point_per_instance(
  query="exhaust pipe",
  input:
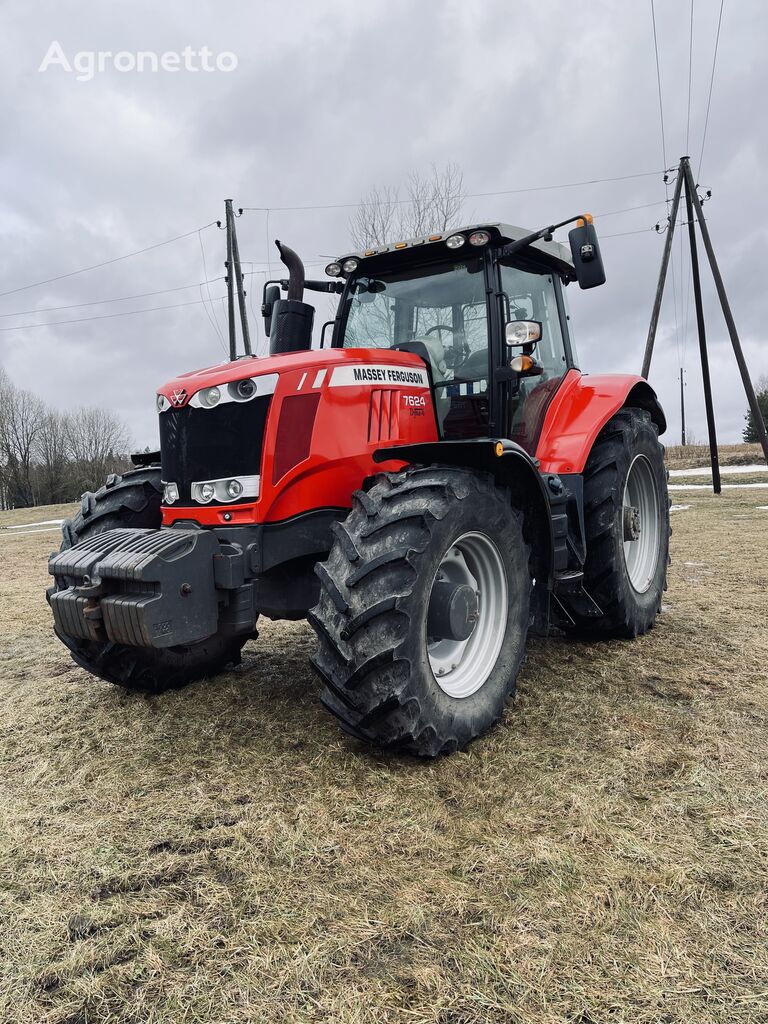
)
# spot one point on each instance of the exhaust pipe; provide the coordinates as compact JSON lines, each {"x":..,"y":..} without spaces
{"x":292,"y":319}
{"x":296,"y":274}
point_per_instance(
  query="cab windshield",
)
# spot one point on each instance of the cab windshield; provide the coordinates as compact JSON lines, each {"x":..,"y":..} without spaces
{"x":440,"y":308}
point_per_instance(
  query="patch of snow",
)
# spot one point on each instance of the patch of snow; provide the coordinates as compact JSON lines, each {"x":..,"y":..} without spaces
{"x":678,"y":508}
{"x":707,"y":487}
{"x":756,"y":467}
{"x":763,"y":508}
{"x":46,"y":529}
{"x":44,"y":522}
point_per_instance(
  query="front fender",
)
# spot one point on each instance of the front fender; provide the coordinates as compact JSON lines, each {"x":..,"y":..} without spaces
{"x":581,"y":407}
{"x":513,"y":467}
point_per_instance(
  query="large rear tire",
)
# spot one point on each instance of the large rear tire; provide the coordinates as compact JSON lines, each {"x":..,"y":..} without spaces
{"x":133,"y":500}
{"x":626,"y":512}
{"x":423,"y":610}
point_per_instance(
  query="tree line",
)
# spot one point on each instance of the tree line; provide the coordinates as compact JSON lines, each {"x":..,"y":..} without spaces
{"x":750,"y":434}
{"x":48,"y":457}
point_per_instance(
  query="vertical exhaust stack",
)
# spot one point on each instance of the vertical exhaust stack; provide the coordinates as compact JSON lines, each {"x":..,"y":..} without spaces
{"x":292,"y":318}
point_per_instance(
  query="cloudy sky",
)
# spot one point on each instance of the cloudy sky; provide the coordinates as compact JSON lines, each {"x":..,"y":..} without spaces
{"x":328,"y":100}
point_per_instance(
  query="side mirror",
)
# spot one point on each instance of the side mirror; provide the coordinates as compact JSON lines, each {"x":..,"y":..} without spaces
{"x":271,"y":296}
{"x":522,"y":332}
{"x":585,"y":251}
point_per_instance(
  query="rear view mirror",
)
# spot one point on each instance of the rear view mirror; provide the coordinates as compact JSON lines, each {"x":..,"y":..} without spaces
{"x":271,"y":296}
{"x":585,"y":251}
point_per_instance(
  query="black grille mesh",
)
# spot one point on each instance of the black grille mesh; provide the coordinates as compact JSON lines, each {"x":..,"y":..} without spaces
{"x":209,"y":444}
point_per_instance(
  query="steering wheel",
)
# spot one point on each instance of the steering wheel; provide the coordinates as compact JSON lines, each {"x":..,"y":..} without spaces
{"x":454,"y":355}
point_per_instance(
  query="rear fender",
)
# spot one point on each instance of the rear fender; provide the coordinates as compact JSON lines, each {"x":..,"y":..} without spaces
{"x":581,"y":407}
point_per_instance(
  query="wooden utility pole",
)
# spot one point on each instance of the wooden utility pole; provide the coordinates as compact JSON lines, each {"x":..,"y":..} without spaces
{"x":693,"y":204}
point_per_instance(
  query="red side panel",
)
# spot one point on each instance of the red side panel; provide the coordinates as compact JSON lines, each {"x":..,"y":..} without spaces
{"x":582,"y":406}
{"x":330,"y":411}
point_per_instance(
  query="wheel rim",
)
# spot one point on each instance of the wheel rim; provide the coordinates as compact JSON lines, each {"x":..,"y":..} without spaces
{"x":640,"y":520}
{"x":461,"y":667}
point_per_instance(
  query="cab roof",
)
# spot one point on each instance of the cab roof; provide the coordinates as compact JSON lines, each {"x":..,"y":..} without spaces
{"x":500,"y":233}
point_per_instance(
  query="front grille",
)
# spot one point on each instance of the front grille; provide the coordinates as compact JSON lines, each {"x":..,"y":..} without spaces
{"x":209,"y":444}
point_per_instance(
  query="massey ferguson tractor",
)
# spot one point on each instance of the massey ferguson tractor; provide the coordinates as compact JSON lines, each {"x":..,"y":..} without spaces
{"x":434,"y":482}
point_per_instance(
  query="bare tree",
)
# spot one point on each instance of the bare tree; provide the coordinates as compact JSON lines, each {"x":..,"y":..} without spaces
{"x":431,"y":204}
{"x":53,"y":459}
{"x":97,"y":443}
{"x":23,"y":413}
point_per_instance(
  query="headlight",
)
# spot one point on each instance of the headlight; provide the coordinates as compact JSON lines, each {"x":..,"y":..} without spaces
{"x":455,"y":241}
{"x":333,"y":270}
{"x":210,"y":397}
{"x":234,"y":488}
{"x":170,"y":494}
{"x":349,"y":266}
{"x":206,"y":492}
{"x":479,"y":238}
{"x":161,"y":403}
{"x":245,"y":389}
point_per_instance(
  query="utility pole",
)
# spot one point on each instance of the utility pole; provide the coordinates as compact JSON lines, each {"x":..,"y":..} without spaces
{"x":235,"y":258}
{"x":729,"y":321}
{"x":230,"y":293}
{"x":235,"y":280}
{"x":693,"y":203}
{"x":710,"y":409}
{"x":682,"y":407}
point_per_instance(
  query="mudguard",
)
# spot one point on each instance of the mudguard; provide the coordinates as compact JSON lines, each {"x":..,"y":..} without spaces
{"x":513,"y":467}
{"x":581,"y":407}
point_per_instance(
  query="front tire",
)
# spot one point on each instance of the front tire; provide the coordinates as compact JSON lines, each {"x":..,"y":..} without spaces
{"x":133,"y":500}
{"x":423,"y":610}
{"x":626,"y":513}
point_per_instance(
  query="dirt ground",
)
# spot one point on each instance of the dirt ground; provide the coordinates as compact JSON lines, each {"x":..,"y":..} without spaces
{"x":224,"y":854}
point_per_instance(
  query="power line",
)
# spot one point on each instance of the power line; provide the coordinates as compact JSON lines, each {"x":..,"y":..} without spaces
{"x":658,"y":81}
{"x":664,"y":158}
{"x":104,"y":302}
{"x":105,"y":263}
{"x":210,"y":313}
{"x":465,"y":195}
{"x":711,"y":83}
{"x":621,"y":234}
{"x":105,"y":316}
{"x":690,"y":68}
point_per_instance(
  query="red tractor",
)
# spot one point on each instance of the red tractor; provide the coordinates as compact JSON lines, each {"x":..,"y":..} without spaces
{"x":431,"y":484}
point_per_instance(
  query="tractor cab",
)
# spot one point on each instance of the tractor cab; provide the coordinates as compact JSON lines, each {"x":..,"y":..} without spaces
{"x":490,"y":324}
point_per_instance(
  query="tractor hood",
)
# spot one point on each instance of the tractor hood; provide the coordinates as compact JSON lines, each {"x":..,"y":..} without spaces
{"x":261,"y":440}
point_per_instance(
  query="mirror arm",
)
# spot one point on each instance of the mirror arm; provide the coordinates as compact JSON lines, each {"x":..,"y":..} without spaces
{"x":545,"y":233}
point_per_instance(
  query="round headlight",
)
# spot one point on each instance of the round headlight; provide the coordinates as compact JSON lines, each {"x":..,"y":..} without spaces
{"x":333,"y":270}
{"x":160,"y":402}
{"x":207,"y":492}
{"x":234,"y":488}
{"x":245,"y":389}
{"x":170,"y":494}
{"x":455,"y":241}
{"x":349,"y":266}
{"x":479,"y":238}
{"x":210,"y":397}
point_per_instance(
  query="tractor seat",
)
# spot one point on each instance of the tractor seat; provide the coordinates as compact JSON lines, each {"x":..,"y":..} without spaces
{"x":432,"y":352}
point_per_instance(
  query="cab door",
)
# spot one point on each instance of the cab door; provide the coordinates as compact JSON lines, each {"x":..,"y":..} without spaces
{"x":532,"y":294}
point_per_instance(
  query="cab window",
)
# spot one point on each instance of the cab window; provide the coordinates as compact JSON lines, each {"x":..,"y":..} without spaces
{"x":531,"y":296}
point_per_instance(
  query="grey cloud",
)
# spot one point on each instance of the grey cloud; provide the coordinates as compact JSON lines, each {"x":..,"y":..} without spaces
{"x":327,"y":101}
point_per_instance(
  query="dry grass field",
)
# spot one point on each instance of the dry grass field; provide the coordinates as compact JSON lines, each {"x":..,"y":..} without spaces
{"x":224,"y":854}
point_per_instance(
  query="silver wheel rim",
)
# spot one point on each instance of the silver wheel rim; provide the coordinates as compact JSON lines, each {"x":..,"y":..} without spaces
{"x":640,"y":519}
{"x":461,"y":667}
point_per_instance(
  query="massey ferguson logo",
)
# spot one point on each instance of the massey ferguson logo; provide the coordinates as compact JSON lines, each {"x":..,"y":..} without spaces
{"x":179,"y":396}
